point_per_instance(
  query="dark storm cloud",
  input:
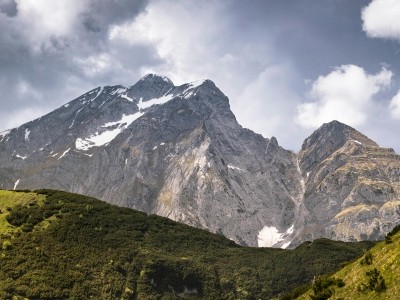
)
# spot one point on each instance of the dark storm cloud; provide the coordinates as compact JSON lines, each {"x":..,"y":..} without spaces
{"x":39,"y":73}
{"x":101,"y":14}
{"x":8,"y":7}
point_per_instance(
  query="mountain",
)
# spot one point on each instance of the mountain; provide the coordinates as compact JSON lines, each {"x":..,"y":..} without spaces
{"x":178,"y":152}
{"x":352,"y":186}
{"x":173,"y":151}
{"x":56,"y":245}
{"x":373,"y":276}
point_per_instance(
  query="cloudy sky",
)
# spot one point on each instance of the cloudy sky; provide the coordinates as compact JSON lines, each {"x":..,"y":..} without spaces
{"x":287,"y":66}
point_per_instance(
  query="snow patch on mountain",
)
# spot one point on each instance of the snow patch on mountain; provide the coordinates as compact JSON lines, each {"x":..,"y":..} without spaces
{"x":118,"y":91}
{"x":65,"y":152}
{"x":126,"y":97}
{"x":290,"y":230}
{"x":3,"y":134}
{"x":105,"y":137}
{"x":268,"y":236}
{"x":234,"y":168}
{"x":100,"y":90}
{"x":73,"y":121}
{"x":27,"y":133}
{"x":156,"y":101}
{"x":190,"y":90}
{"x":196,"y":83}
{"x":16,"y":184}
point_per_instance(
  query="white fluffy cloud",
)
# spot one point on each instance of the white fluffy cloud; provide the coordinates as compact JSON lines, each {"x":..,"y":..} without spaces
{"x":381,"y":19}
{"x":43,"y":19}
{"x":395,"y":106}
{"x":267,"y":104}
{"x":345,"y":95}
{"x":187,"y":38}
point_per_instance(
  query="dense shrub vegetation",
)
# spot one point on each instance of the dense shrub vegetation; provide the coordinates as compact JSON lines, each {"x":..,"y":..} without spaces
{"x":322,"y":287}
{"x":368,"y":259}
{"x":375,"y":282}
{"x":75,"y":247}
{"x":388,"y":237}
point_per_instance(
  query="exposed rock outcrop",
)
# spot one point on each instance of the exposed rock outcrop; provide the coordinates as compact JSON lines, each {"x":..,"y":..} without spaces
{"x":178,"y":151}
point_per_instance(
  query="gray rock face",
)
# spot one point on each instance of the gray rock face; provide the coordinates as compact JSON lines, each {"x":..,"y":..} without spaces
{"x":174,"y":151}
{"x":351,"y":185}
{"x":178,"y":151}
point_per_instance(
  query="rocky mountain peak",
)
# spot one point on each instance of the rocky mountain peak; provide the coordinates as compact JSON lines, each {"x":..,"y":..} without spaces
{"x":326,"y":140}
{"x":151,"y":86}
{"x":178,"y":151}
{"x":154,"y":79}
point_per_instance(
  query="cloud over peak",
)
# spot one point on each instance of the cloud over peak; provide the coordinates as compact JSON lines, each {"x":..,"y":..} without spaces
{"x":345,"y":94}
{"x":381,"y":19}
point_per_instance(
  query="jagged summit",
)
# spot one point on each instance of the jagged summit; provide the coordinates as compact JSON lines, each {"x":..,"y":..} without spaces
{"x":151,"y":86}
{"x":337,"y":133}
{"x":154,"y":78}
{"x":327,"y":139}
{"x":178,"y":151}
{"x":351,"y":184}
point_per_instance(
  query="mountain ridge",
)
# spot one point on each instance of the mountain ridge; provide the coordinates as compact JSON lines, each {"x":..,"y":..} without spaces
{"x":178,"y":151}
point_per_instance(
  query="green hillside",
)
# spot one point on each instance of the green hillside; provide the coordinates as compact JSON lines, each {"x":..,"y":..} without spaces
{"x":57,"y":245}
{"x":376,"y":275}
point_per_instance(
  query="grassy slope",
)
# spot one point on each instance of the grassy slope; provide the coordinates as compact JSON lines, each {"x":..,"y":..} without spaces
{"x":386,"y":259}
{"x":69,"y":246}
{"x":9,"y":200}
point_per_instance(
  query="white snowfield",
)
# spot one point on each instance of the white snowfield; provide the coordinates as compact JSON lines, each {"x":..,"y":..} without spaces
{"x":269,"y":236}
{"x":100,"y":139}
{"x":113,"y":129}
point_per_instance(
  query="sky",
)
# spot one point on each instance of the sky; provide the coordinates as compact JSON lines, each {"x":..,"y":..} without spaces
{"x":287,"y":66}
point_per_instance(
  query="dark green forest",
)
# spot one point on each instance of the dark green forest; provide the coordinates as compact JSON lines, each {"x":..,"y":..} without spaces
{"x":57,"y":245}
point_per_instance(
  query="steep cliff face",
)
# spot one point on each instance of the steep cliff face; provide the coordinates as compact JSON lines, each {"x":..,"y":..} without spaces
{"x":352,"y":185}
{"x":178,"y":151}
{"x":174,"y":151}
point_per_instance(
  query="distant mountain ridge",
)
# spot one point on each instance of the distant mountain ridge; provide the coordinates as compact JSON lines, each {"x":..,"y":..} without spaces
{"x":178,"y":151}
